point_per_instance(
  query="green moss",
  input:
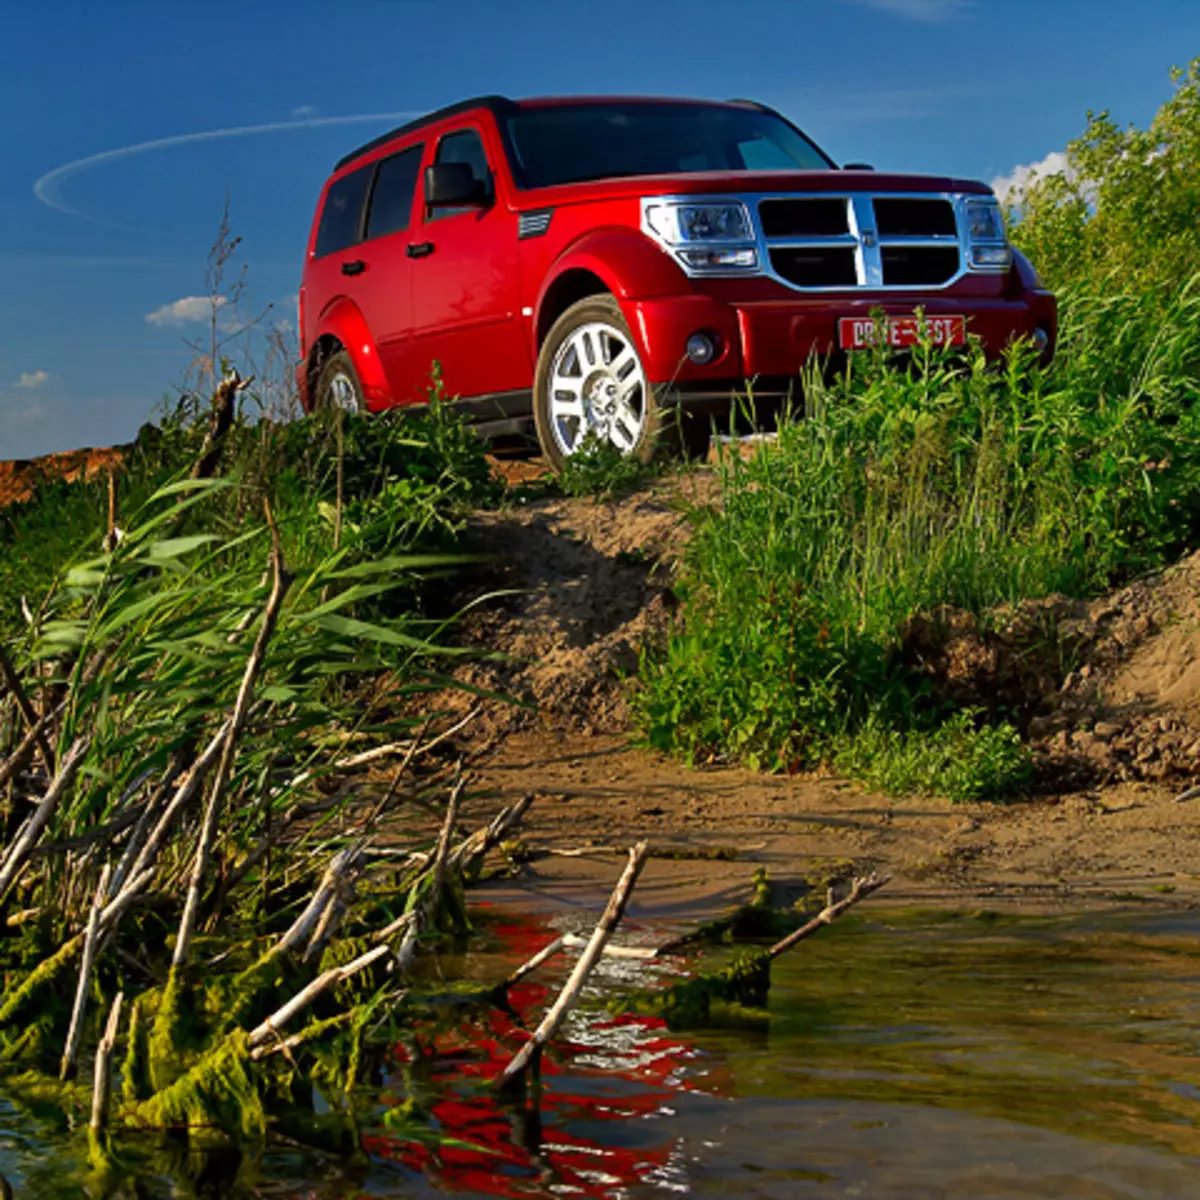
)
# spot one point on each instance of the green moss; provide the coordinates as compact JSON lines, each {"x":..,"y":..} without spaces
{"x":45,"y":973}
{"x":135,"y":1071}
{"x":736,"y":992}
{"x":163,"y":1048}
{"x":218,"y":1093}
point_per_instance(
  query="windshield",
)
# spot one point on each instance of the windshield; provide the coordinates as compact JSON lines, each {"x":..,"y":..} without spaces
{"x":611,"y":140}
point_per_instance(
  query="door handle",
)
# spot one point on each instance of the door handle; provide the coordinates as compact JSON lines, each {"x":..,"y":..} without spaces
{"x":420,"y":250}
{"x":354,"y":267}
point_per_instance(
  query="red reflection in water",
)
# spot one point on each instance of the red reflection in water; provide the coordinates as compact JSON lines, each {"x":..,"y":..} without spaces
{"x":625,"y":1068}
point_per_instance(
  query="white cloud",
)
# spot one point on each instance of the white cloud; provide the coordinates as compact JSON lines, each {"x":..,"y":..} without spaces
{"x":184,"y":311}
{"x":301,"y":111}
{"x":928,"y":12}
{"x":33,"y":379}
{"x":1055,"y":163}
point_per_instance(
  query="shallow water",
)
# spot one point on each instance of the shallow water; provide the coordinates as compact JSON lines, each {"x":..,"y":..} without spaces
{"x":906,"y":1055}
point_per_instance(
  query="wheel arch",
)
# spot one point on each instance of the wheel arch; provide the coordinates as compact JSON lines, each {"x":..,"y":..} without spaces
{"x":343,"y":327}
{"x":620,"y":261}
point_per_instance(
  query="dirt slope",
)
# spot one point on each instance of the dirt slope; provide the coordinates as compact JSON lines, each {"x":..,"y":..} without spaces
{"x":19,"y":478}
{"x":588,"y":583}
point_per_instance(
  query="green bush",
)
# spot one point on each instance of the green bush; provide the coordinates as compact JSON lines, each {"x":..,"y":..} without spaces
{"x":406,"y":480}
{"x":908,"y":486}
{"x":1123,"y":215}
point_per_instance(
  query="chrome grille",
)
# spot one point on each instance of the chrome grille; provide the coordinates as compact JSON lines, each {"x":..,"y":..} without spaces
{"x":809,"y":217}
{"x":816,"y":266}
{"x":860,"y":240}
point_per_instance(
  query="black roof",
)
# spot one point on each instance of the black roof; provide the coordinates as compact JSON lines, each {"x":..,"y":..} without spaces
{"x":493,"y":103}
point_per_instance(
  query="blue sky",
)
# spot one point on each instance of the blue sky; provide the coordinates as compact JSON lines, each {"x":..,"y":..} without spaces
{"x":93,"y":265}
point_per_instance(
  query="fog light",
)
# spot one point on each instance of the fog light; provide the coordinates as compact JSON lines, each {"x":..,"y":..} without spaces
{"x":701,"y":349}
{"x":991,"y":257}
{"x":720,"y":260}
{"x":1041,"y":340}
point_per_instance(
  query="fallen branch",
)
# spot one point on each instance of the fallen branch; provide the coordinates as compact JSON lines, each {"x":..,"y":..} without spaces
{"x":1192,"y":793}
{"x":282,"y":581}
{"x":436,"y":876}
{"x":270,"y":1027}
{"x":530,"y":1054}
{"x":14,"y":860}
{"x":66,"y":1068}
{"x":101,"y":1087}
{"x":859,"y":890}
{"x":572,"y":941}
{"x":543,"y":955}
{"x":302,"y":927}
{"x":13,"y":682}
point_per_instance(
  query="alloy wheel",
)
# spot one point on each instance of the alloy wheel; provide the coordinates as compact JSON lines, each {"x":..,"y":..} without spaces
{"x":597,"y":386}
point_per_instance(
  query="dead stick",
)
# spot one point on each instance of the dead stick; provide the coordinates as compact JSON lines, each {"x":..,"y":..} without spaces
{"x":283,"y":1045}
{"x":66,"y":1069}
{"x":14,"y":860}
{"x":860,"y":890}
{"x":13,"y":682}
{"x":269,"y":1028}
{"x":1191,"y":793}
{"x":184,"y":795}
{"x":437,"y":876}
{"x":572,"y":941}
{"x":104,"y":1052}
{"x":526,"y":968}
{"x":282,"y":581}
{"x":472,"y":852}
{"x":530,"y":1053}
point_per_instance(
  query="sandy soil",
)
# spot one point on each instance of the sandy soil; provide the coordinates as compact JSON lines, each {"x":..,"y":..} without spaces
{"x":1130,"y":843}
{"x":1107,"y":691}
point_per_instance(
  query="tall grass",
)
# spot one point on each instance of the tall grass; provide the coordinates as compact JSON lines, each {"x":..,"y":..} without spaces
{"x":905,"y":486}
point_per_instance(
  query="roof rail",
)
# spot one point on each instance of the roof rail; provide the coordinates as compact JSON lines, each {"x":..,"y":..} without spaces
{"x":492,"y":103}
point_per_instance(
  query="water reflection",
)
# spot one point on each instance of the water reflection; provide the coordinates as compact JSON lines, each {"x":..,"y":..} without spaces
{"x":907,"y":1056}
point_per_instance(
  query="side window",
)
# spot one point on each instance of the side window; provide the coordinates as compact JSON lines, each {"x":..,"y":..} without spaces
{"x":341,"y":217}
{"x":392,"y":196}
{"x":465,"y":146}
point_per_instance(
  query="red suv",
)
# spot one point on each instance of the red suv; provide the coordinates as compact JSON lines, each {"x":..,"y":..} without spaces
{"x":595,"y":263}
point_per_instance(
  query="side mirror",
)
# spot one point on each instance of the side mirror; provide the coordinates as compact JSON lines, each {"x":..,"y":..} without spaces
{"x":858,"y":167}
{"x":453,"y":185}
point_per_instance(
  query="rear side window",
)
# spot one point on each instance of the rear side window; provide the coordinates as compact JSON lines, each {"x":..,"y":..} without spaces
{"x":392,"y":196}
{"x":341,"y":218}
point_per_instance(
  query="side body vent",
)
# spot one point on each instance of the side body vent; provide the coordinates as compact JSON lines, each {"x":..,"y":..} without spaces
{"x":535,"y":223}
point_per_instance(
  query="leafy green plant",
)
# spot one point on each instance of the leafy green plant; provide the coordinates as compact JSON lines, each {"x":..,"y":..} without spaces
{"x":599,"y":469}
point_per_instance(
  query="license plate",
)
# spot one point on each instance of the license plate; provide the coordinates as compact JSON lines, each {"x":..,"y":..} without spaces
{"x":858,"y":333}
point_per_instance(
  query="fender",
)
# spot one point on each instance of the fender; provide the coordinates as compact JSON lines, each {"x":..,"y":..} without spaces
{"x":629,"y":265}
{"x":343,"y":320}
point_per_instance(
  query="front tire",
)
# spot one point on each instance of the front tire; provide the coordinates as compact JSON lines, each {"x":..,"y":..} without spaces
{"x":338,"y":386}
{"x":590,"y":381}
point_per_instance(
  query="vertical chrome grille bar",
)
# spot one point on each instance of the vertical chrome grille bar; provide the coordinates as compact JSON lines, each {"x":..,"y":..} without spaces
{"x":862,"y":225}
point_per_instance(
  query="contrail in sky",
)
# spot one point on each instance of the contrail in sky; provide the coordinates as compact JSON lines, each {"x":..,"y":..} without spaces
{"x":48,"y":188}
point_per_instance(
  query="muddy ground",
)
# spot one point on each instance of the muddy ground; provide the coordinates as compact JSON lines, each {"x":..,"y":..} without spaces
{"x":1107,"y":691}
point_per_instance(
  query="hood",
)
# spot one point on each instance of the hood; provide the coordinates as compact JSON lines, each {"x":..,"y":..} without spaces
{"x":733,"y":182}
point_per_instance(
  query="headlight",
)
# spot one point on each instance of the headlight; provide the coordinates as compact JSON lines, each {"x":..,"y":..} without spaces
{"x":679,"y":224}
{"x":985,"y":221}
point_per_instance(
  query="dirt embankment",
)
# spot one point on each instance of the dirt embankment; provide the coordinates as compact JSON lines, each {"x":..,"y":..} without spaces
{"x":1108,"y":692}
{"x":20,"y":478}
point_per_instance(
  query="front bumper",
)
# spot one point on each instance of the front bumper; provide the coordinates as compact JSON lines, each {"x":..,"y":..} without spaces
{"x":776,"y":338}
